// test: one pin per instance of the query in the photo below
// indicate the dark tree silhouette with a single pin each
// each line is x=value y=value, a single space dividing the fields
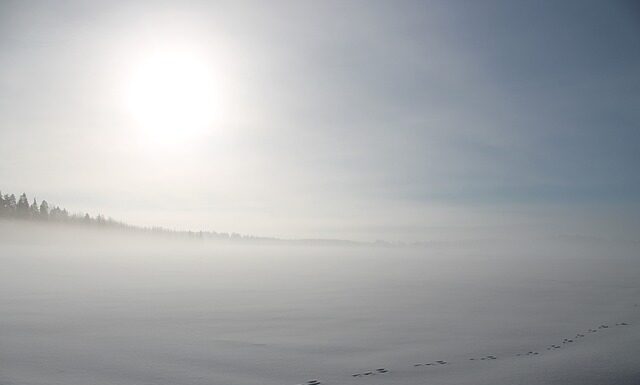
x=44 y=210
x=55 y=214
x=22 y=209
x=10 y=205
x=34 y=211
x=10 y=209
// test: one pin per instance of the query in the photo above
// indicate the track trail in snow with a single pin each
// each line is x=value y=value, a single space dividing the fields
x=425 y=366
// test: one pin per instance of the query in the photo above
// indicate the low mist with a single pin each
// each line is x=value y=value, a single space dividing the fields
x=83 y=305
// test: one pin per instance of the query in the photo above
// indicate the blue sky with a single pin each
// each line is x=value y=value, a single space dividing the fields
x=341 y=119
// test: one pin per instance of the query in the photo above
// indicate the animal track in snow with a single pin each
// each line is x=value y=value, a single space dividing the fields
x=565 y=342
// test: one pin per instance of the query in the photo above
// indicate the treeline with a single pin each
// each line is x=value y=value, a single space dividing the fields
x=20 y=208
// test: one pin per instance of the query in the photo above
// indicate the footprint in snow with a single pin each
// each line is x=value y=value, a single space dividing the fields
x=439 y=362
x=486 y=358
x=371 y=373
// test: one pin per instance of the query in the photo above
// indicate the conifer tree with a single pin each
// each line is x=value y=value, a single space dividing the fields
x=44 y=210
x=22 y=208
x=10 y=205
x=34 y=212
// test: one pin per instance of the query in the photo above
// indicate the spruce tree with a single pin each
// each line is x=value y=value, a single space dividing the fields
x=44 y=210
x=34 y=212
x=10 y=205
x=22 y=208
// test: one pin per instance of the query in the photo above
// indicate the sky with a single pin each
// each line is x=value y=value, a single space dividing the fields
x=366 y=120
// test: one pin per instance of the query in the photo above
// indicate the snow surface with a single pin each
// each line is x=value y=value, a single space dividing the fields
x=79 y=308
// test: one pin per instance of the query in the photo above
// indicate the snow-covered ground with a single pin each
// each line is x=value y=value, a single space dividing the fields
x=85 y=308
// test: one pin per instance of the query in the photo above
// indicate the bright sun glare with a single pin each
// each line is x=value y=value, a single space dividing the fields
x=171 y=95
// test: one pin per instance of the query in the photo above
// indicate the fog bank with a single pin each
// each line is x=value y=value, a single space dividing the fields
x=104 y=308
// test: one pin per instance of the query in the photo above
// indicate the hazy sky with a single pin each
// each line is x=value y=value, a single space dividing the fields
x=395 y=120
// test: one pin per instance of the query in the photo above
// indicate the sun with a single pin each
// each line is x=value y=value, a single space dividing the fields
x=171 y=95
